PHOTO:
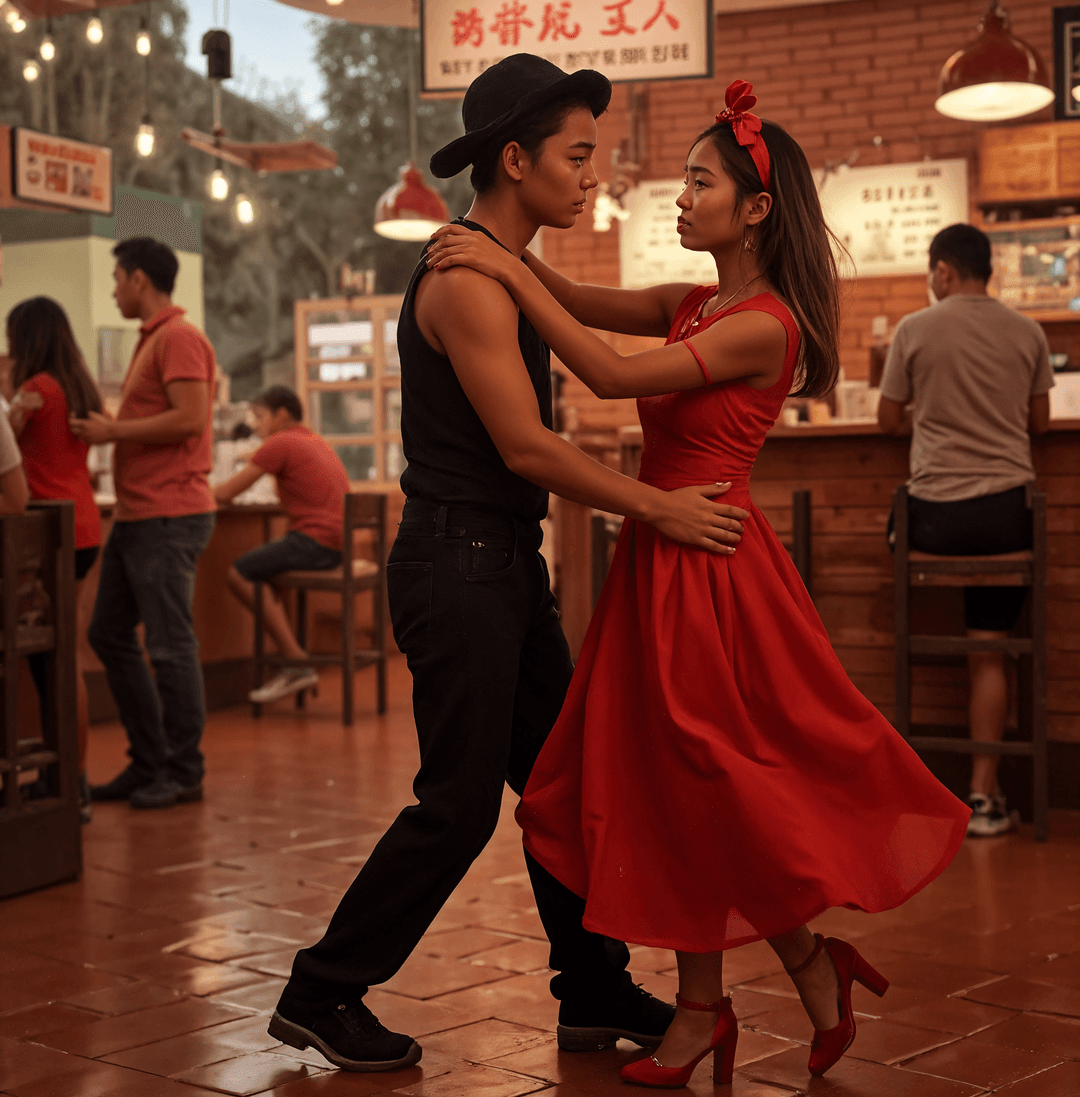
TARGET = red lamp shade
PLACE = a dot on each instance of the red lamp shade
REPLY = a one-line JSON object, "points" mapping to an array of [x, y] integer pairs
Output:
{"points": [[994, 77], [410, 210]]}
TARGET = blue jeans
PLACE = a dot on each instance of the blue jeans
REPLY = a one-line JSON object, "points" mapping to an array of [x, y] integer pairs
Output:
{"points": [[148, 576]]}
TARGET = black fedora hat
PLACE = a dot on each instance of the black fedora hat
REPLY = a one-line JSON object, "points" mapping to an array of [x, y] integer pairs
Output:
{"points": [[529, 83]]}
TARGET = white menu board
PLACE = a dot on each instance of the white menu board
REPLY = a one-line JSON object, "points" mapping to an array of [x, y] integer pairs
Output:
{"points": [[650, 251], [887, 215]]}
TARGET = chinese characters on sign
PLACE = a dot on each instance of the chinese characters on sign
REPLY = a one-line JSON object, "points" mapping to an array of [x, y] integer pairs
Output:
{"points": [[650, 251], [60, 172], [624, 39], [887, 215]]}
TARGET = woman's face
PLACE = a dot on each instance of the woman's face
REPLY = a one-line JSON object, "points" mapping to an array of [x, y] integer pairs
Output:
{"points": [[555, 183], [711, 219]]}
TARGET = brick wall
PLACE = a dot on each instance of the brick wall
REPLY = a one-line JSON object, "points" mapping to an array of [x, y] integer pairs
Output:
{"points": [[837, 76]]}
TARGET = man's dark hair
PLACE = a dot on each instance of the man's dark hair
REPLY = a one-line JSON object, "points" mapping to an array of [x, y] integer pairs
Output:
{"points": [[156, 260], [529, 132], [280, 396], [964, 247]]}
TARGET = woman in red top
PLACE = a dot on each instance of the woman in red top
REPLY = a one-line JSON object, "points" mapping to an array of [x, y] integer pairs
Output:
{"points": [[52, 384], [714, 777]]}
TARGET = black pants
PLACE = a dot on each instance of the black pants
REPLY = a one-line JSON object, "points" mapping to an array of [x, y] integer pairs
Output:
{"points": [[982, 526], [473, 613]]}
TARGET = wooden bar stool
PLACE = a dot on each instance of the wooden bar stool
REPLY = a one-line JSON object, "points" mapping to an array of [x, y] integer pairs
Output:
{"points": [[40, 838], [362, 510], [1028, 569]]}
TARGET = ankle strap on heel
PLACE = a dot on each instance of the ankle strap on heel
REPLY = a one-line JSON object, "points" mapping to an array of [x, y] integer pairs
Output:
{"points": [[703, 1007], [819, 944]]}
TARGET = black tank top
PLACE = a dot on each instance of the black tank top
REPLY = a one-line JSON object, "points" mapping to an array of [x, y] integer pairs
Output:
{"points": [[451, 457]]}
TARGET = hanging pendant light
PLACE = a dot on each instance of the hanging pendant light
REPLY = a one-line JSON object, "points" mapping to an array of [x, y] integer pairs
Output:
{"points": [[244, 209], [95, 32], [145, 138], [410, 209], [217, 184], [994, 77], [31, 71]]}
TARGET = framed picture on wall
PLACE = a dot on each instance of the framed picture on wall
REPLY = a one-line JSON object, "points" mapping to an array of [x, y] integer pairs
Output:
{"points": [[1067, 62]]}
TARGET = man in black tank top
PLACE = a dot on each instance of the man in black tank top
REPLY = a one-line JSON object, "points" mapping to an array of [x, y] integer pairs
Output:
{"points": [[469, 595]]}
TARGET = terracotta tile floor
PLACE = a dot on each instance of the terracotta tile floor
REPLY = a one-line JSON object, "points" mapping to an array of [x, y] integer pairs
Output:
{"points": [[154, 975]]}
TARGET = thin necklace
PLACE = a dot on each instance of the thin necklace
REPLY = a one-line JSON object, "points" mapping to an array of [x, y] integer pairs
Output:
{"points": [[720, 307]]}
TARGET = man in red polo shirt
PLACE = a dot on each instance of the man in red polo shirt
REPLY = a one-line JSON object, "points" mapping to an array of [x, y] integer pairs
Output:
{"points": [[163, 521]]}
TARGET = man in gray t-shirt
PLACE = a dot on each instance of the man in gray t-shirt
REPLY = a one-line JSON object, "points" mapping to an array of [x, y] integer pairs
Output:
{"points": [[977, 375]]}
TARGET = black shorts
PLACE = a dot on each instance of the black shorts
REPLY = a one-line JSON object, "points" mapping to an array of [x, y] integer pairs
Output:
{"points": [[295, 551], [85, 558], [986, 525]]}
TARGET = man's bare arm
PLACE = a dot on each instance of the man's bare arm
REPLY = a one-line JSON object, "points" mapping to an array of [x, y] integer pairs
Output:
{"points": [[186, 418], [1039, 414], [893, 418]]}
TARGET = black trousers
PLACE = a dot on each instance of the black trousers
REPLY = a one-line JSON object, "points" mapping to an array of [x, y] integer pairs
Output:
{"points": [[474, 614], [984, 525]]}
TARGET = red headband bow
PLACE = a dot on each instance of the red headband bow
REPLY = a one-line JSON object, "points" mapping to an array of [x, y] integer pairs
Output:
{"points": [[740, 98]]}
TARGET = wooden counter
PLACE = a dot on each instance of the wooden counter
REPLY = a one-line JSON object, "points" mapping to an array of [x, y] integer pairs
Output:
{"points": [[852, 470], [222, 624]]}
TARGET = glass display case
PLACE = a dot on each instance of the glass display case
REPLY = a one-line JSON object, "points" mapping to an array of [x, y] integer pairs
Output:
{"points": [[348, 376]]}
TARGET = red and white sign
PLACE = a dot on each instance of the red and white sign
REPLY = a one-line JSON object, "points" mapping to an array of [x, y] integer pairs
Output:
{"points": [[623, 39], [60, 172]]}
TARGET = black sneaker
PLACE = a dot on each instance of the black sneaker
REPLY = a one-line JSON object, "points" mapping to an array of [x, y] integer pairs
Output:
{"points": [[164, 793], [595, 1024], [351, 1037], [121, 786]]}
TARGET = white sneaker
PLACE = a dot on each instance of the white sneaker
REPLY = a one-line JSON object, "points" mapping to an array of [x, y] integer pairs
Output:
{"points": [[990, 816], [290, 680]]}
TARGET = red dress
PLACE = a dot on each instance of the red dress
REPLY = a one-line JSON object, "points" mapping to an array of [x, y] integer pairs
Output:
{"points": [[714, 777], [55, 460]]}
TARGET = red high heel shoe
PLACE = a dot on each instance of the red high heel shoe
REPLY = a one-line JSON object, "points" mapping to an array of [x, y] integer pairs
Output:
{"points": [[829, 1045], [649, 1072]]}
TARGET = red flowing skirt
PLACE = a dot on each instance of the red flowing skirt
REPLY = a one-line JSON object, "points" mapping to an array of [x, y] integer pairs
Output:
{"points": [[715, 777]]}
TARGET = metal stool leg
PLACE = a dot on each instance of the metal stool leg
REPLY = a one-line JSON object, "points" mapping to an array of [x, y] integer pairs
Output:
{"points": [[301, 633]]}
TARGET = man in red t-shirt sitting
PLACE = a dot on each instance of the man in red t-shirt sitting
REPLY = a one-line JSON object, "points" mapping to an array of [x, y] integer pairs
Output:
{"points": [[312, 483]]}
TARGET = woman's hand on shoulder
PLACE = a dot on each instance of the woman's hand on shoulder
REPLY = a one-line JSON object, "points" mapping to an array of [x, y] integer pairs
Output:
{"points": [[458, 246]]}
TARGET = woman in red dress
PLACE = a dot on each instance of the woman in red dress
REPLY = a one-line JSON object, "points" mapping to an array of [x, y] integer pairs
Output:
{"points": [[715, 778], [52, 384]]}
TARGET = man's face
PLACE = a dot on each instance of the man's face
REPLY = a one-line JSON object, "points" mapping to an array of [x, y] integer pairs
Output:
{"points": [[558, 178], [126, 291]]}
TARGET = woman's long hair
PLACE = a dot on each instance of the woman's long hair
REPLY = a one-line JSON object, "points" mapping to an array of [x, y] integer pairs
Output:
{"points": [[41, 341], [795, 248]]}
